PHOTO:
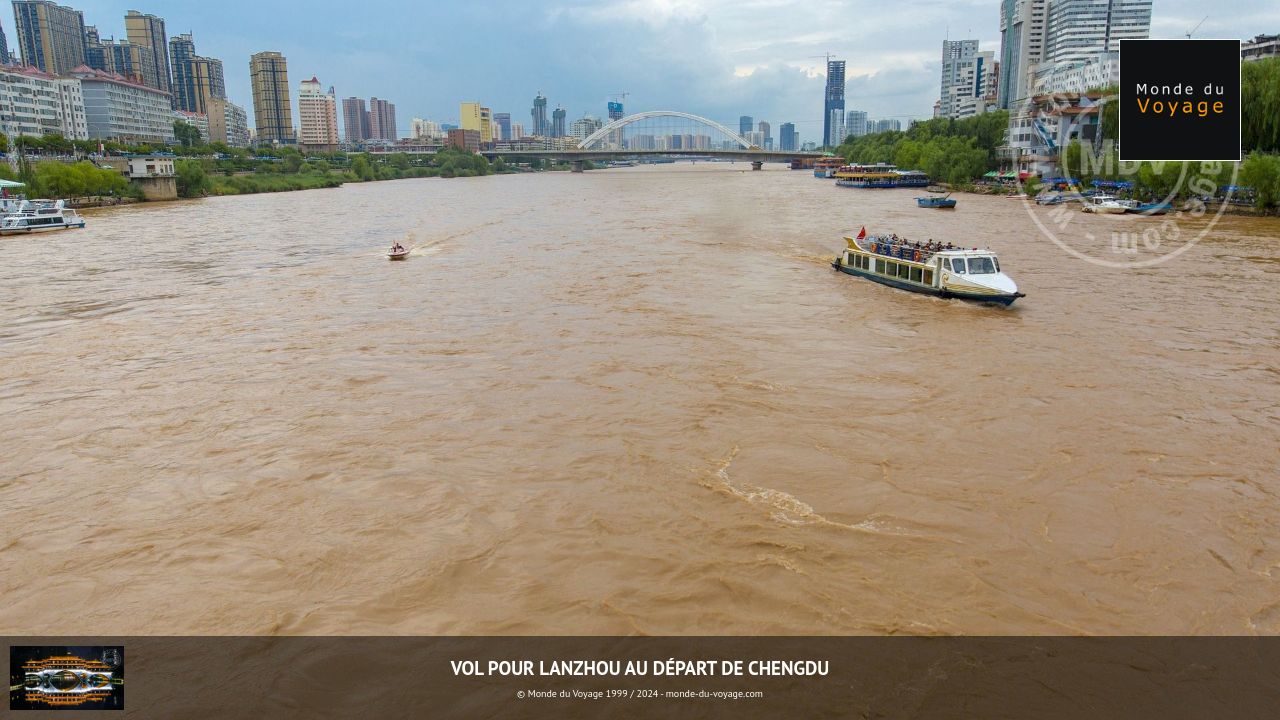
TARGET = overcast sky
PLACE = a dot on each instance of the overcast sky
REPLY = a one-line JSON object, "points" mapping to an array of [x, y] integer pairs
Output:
{"points": [[717, 58]]}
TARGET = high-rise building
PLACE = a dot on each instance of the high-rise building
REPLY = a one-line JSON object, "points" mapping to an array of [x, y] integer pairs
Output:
{"points": [[557, 122], [4, 47], [355, 120], [181, 49], [886, 125], [582, 128], [787, 137], [382, 120], [855, 123], [1080, 30], [486, 125], [228, 123], [833, 103], [745, 125], [502, 125], [1022, 35], [208, 82], [425, 130], [148, 31], [469, 116], [766, 132], [317, 117], [272, 110], [541, 128], [967, 74], [136, 62], [50, 36], [197, 80], [517, 131], [96, 54]]}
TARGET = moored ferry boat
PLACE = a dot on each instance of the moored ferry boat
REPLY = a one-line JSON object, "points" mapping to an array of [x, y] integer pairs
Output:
{"points": [[40, 216], [826, 167], [943, 272], [879, 175]]}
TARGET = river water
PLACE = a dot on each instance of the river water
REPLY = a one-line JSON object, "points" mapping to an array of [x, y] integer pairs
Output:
{"points": [[630, 401]]}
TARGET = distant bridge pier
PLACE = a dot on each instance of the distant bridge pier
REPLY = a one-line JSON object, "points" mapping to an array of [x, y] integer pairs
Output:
{"points": [[757, 164], [579, 166]]}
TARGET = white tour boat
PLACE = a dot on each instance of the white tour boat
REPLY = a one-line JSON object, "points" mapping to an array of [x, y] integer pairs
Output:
{"points": [[40, 216], [949, 273], [1108, 205]]}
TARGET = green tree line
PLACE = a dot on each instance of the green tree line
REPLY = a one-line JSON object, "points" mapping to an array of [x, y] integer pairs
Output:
{"points": [[954, 151]]}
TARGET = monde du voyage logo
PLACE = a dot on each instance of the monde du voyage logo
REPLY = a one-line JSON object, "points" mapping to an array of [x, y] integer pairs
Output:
{"points": [[1180, 100]]}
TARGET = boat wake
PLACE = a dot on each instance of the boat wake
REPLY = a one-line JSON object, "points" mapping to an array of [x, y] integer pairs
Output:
{"points": [[787, 508]]}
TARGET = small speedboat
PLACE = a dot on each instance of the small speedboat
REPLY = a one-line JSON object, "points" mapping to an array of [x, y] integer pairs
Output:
{"points": [[943, 203], [398, 252], [1050, 200]]}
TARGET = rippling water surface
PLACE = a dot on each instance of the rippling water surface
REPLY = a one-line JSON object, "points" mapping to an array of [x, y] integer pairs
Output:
{"points": [[630, 401]]}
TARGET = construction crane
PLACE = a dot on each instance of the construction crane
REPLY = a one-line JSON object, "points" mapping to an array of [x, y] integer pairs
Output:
{"points": [[1197, 27]]}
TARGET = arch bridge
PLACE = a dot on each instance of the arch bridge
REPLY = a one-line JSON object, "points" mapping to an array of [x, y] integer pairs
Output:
{"points": [[608, 143]]}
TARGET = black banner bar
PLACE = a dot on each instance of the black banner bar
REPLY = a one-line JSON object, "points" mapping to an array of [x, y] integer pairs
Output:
{"points": [[691, 677]]}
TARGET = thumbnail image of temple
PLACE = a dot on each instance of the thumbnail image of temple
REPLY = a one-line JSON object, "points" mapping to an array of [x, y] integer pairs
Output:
{"points": [[66, 678]]}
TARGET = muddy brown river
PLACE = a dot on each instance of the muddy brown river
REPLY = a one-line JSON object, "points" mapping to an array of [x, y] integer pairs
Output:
{"points": [[630, 401]]}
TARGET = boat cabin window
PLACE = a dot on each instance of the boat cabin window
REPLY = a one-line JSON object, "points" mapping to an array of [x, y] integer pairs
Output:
{"points": [[880, 266], [981, 266], [904, 270], [957, 265], [915, 274]]}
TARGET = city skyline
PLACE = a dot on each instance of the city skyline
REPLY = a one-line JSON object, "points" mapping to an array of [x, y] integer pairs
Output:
{"points": [[728, 60]]}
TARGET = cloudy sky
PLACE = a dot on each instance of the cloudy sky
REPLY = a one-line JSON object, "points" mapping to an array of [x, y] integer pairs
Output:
{"points": [[717, 58]]}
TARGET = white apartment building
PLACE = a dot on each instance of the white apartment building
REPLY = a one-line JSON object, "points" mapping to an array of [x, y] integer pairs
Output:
{"points": [[118, 109], [317, 117], [37, 103]]}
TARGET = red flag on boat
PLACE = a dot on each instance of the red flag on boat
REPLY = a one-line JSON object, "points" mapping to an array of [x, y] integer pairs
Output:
{"points": [[863, 232]]}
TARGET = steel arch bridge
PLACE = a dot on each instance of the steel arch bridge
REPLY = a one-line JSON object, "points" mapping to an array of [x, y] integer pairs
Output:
{"points": [[618, 125]]}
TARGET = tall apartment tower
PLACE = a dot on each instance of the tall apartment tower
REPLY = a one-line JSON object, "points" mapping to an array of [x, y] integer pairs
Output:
{"points": [[833, 104], [1080, 30], [382, 120], [967, 75], [1022, 35], [765, 132], [539, 113], [317, 117], [746, 124], [502, 126], [181, 50], [272, 114], [50, 36], [787, 137], [148, 31], [355, 120], [558, 122]]}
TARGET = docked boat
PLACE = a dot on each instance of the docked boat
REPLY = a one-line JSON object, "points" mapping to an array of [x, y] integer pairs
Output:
{"points": [[943, 203], [877, 176], [1108, 205], [1161, 208], [950, 273], [1050, 200], [398, 252], [826, 167], [40, 216]]}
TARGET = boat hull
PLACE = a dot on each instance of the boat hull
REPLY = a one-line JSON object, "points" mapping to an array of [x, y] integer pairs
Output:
{"points": [[936, 203], [397, 256], [1001, 299], [41, 228]]}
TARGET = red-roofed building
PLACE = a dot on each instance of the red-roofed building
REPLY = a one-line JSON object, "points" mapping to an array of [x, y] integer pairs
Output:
{"points": [[117, 108], [33, 102]]}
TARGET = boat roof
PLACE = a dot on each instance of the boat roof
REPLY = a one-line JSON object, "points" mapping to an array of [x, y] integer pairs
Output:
{"points": [[953, 252]]}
